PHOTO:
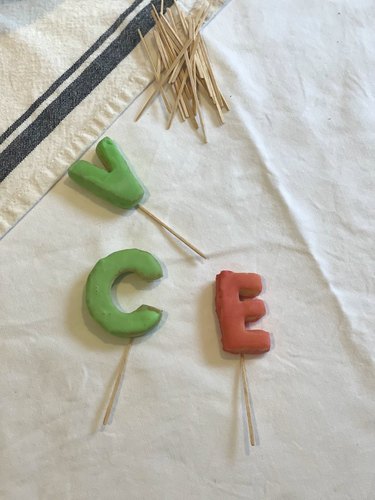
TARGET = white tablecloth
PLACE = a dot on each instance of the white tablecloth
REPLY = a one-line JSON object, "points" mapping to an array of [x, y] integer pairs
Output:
{"points": [[285, 189]]}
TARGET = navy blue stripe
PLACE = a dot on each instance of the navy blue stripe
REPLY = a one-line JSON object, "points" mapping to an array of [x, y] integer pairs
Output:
{"points": [[74, 94], [69, 71]]}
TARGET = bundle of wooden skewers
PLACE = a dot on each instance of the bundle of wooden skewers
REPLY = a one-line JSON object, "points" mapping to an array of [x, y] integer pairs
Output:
{"points": [[183, 73]]}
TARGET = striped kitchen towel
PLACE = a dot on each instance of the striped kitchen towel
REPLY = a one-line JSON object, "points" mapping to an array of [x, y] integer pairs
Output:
{"points": [[68, 69]]}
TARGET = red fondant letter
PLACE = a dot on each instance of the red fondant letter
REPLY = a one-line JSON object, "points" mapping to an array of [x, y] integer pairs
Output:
{"points": [[234, 313]]}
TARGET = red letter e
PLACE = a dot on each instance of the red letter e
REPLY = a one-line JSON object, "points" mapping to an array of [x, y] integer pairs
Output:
{"points": [[234, 313]]}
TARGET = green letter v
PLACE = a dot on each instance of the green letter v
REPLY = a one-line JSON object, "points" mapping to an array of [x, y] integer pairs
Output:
{"points": [[118, 185]]}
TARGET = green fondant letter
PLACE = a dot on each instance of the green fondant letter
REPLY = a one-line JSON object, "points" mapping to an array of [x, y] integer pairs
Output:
{"points": [[118, 185], [98, 293]]}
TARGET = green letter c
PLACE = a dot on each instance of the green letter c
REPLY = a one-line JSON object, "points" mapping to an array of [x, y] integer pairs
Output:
{"points": [[99, 299]]}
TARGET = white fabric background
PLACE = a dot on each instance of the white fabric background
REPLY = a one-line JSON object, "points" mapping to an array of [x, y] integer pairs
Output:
{"points": [[284, 189]]}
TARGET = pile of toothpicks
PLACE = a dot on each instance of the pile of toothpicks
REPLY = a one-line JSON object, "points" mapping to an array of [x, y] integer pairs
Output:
{"points": [[183, 73]]}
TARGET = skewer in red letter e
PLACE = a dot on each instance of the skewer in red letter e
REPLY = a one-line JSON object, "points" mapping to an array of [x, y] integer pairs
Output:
{"points": [[236, 306]]}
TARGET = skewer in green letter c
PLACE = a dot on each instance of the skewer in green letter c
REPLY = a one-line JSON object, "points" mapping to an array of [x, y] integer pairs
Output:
{"points": [[99, 299]]}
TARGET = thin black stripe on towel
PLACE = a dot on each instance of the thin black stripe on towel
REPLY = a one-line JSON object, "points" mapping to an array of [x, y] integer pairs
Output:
{"points": [[74, 94], [56, 84]]}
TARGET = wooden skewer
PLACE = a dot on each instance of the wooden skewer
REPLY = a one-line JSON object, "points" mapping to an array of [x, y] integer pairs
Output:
{"points": [[247, 400], [182, 87], [171, 19], [193, 35], [193, 63], [190, 72], [187, 69], [176, 72], [172, 43], [174, 46], [166, 57], [116, 385], [165, 25], [182, 17], [189, 93], [187, 28], [211, 85], [168, 228], [156, 73], [210, 70], [158, 66], [171, 33], [166, 74]]}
